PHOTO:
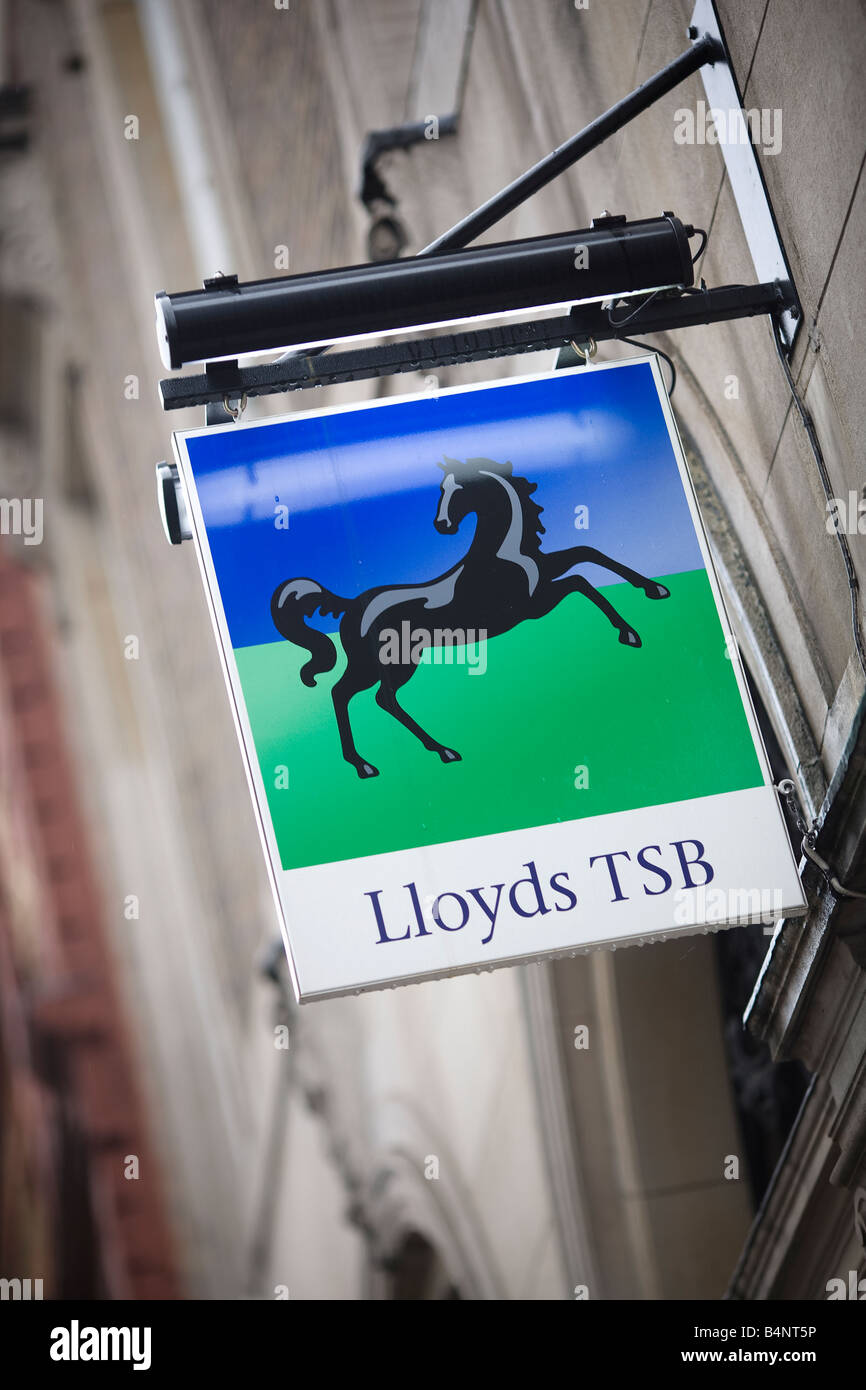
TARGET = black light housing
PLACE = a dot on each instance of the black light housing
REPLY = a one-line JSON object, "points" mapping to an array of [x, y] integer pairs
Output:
{"points": [[611, 258]]}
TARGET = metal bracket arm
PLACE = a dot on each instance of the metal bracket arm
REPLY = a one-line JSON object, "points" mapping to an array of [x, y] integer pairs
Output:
{"points": [[298, 373]]}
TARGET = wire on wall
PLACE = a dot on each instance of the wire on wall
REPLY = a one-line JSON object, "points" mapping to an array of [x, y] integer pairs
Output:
{"points": [[811, 435]]}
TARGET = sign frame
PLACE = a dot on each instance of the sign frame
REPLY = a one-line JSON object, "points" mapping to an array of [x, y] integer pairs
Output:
{"points": [[794, 899]]}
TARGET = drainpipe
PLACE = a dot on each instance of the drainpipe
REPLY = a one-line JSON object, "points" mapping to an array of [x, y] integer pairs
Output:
{"points": [[190, 151]]}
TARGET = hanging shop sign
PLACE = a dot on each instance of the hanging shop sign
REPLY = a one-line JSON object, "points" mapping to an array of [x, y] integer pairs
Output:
{"points": [[483, 679]]}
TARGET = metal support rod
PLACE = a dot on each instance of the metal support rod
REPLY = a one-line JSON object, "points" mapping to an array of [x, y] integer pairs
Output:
{"points": [[706, 50]]}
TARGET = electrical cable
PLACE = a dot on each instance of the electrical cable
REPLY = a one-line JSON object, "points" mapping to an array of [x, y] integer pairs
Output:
{"points": [[811, 435], [808, 845], [621, 323], [699, 231], [621, 338]]}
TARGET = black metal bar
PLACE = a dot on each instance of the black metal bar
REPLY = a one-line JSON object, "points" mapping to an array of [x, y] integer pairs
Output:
{"points": [[702, 306], [707, 49], [301, 372], [616, 257]]}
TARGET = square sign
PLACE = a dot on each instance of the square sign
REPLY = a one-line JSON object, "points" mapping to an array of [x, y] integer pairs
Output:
{"points": [[484, 682]]}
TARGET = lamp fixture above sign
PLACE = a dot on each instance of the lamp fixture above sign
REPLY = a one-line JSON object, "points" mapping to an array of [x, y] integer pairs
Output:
{"points": [[611, 259]]}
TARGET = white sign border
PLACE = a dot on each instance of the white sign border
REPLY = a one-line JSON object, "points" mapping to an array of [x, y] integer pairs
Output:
{"points": [[241, 718]]}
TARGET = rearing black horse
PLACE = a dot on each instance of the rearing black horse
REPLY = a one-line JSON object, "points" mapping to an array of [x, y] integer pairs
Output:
{"points": [[503, 579]]}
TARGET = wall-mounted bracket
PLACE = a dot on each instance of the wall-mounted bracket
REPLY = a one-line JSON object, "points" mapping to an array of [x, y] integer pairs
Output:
{"points": [[661, 309], [301, 371], [747, 182]]}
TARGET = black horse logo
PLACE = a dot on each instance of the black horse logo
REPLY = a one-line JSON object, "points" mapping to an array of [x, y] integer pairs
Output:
{"points": [[503, 579]]}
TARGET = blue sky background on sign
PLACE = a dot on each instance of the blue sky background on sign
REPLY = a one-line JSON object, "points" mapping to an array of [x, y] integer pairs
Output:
{"points": [[362, 487]]}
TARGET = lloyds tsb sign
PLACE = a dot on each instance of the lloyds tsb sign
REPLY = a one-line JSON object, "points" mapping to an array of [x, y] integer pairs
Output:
{"points": [[487, 692]]}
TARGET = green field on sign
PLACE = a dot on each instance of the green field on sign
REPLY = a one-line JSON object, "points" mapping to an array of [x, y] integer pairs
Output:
{"points": [[659, 724]]}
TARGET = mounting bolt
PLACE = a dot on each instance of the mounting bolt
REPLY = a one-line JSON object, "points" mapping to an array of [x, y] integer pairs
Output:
{"points": [[693, 31]]}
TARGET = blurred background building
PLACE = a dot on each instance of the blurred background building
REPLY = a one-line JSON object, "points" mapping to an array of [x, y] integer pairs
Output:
{"points": [[445, 1140]]}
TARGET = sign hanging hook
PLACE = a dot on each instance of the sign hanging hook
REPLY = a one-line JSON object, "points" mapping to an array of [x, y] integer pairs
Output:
{"points": [[235, 411]]}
